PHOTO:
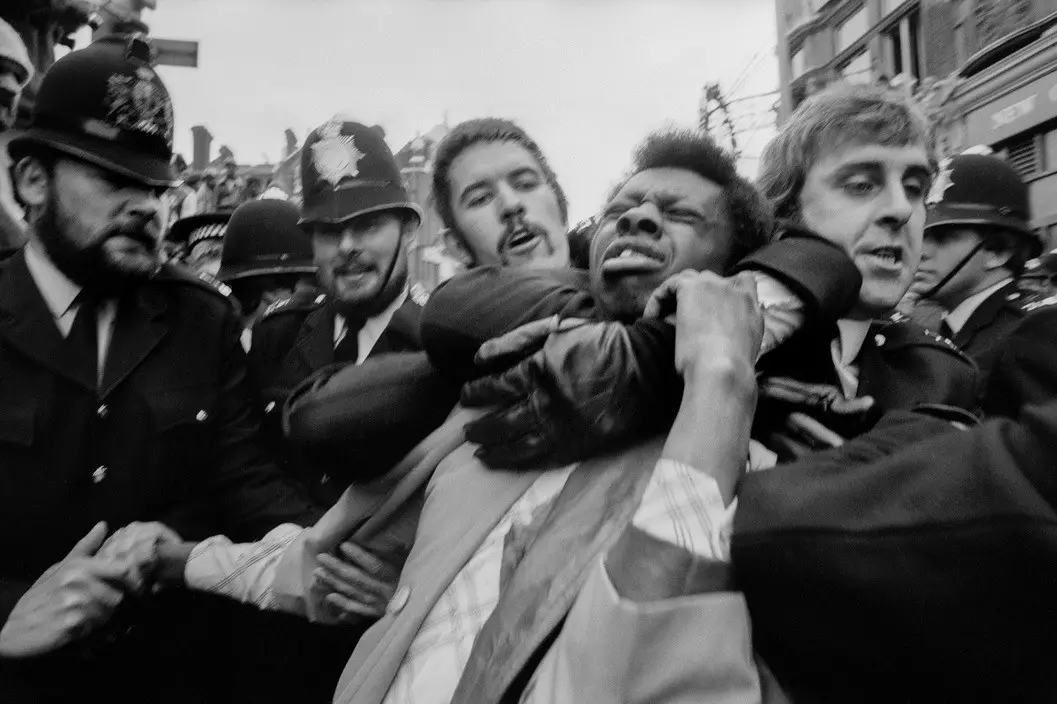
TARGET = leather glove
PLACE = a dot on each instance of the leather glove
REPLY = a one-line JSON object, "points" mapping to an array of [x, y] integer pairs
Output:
{"points": [[796, 418], [576, 391]]}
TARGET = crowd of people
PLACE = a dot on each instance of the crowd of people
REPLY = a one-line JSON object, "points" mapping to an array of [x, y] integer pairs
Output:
{"points": [[703, 460]]}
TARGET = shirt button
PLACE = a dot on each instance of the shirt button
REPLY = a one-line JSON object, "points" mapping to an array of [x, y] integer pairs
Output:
{"points": [[399, 601], [201, 416], [879, 339], [99, 474], [103, 411]]}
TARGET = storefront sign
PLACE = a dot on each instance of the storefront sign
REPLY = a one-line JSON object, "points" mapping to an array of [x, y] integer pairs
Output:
{"points": [[1014, 112]]}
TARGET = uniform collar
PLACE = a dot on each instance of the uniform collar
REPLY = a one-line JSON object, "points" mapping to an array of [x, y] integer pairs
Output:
{"points": [[957, 318], [55, 287], [373, 327], [852, 335]]}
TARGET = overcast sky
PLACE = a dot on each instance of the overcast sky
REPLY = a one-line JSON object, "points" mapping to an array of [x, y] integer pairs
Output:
{"points": [[587, 78]]}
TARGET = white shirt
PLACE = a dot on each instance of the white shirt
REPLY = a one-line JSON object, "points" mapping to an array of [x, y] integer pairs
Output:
{"points": [[368, 335], [957, 318], [845, 349], [59, 294]]}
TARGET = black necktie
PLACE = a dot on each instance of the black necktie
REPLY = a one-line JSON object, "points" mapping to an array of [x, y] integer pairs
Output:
{"points": [[349, 348], [83, 339], [945, 330]]}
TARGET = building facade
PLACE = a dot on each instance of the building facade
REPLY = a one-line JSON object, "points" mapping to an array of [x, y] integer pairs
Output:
{"points": [[985, 71]]}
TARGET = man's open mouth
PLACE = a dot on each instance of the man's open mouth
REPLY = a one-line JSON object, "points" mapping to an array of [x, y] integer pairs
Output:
{"points": [[523, 240], [886, 257], [632, 256]]}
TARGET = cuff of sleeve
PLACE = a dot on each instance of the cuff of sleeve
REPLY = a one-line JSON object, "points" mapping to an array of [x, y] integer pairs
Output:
{"points": [[242, 571], [644, 569], [683, 506], [818, 272]]}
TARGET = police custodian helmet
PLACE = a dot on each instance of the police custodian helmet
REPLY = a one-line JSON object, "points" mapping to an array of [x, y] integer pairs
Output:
{"points": [[980, 189], [106, 105], [347, 170], [264, 239]]}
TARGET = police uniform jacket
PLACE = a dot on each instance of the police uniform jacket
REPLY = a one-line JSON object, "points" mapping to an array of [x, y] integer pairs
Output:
{"points": [[169, 435], [292, 342], [985, 331], [916, 562]]}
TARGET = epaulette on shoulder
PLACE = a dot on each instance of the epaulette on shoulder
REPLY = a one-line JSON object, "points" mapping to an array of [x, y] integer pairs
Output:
{"points": [[1037, 302], [294, 305], [901, 331], [201, 280]]}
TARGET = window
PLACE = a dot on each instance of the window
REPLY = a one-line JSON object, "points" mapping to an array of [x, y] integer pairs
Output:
{"points": [[901, 47], [893, 44], [858, 69], [1049, 141], [797, 63], [852, 29], [913, 37], [888, 6], [1023, 155]]}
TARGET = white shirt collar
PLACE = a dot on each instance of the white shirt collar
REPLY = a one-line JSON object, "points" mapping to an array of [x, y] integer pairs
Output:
{"points": [[852, 335], [957, 318], [58, 291], [372, 329]]}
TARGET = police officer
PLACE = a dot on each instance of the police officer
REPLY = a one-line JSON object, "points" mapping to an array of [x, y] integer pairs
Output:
{"points": [[361, 222], [977, 240], [267, 258], [203, 238], [124, 399]]}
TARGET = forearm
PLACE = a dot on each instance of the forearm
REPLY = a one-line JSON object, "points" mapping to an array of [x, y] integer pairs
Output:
{"points": [[241, 571], [711, 430]]}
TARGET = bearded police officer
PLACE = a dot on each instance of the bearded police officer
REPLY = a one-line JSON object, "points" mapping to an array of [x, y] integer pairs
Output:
{"points": [[125, 399], [361, 223], [977, 239]]}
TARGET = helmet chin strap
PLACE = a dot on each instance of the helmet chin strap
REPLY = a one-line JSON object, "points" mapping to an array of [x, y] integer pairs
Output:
{"points": [[931, 293]]}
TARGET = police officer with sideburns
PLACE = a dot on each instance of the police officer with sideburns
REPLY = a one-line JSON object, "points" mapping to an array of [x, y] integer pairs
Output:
{"points": [[361, 221], [125, 401], [977, 239]]}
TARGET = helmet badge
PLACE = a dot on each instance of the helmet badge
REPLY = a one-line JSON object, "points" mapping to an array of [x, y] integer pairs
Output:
{"points": [[136, 103], [335, 155]]}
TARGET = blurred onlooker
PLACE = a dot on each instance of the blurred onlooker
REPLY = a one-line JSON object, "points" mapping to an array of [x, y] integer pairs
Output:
{"points": [[205, 194], [230, 187], [204, 235], [15, 72]]}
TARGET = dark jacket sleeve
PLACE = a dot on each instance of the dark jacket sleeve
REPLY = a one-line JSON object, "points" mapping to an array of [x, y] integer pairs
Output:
{"points": [[375, 412], [469, 309], [246, 491], [1023, 371], [481, 304], [915, 552]]}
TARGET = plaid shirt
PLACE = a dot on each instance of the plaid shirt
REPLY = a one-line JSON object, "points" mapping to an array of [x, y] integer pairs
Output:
{"points": [[680, 505]]}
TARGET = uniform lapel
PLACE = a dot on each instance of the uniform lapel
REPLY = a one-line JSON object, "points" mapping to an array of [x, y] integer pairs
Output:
{"points": [[401, 334], [28, 325], [984, 315], [138, 328], [314, 347], [595, 506], [449, 532]]}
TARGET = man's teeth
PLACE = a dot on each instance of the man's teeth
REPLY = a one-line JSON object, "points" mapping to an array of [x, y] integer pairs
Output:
{"points": [[887, 255]]}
